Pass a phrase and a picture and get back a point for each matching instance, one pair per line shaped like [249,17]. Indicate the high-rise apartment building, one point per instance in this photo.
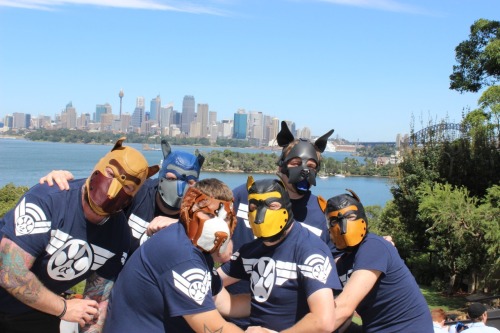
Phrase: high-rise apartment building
[240,124]
[188,113]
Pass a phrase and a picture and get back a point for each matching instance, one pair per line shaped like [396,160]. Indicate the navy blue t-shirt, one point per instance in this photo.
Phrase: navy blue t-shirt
[395,303]
[50,225]
[141,212]
[306,210]
[283,276]
[165,279]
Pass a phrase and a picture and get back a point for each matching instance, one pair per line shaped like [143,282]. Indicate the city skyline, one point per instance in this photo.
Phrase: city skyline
[366,69]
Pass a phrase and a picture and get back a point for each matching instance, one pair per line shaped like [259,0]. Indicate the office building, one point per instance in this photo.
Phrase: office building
[188,113]
[240,124]
[101,109]
[202,119]
[154,110]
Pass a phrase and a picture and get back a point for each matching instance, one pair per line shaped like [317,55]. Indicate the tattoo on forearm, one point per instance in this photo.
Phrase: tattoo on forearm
[98,288]
[207,330]
[15,276]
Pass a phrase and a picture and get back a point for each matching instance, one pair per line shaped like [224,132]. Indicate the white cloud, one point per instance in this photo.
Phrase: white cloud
[386,5]
[180,6]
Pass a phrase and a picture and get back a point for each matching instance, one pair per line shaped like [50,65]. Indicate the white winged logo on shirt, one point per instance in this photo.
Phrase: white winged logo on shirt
[30,219]
[194,283]
[266,272]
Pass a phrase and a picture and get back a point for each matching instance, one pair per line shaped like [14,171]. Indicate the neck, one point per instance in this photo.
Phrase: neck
[292,192]
[161,206]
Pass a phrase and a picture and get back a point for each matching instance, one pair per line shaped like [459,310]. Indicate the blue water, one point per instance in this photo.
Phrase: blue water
[23,162]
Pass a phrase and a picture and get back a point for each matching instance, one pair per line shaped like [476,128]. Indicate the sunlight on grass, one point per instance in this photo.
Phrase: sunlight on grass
[436,299]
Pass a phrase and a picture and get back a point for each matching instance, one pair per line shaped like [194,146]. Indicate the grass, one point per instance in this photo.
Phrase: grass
[436,299]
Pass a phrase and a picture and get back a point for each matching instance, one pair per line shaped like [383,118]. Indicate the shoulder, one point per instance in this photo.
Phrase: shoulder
[373,240]
[172,239]
[240,191]
[150,186]
[53,196]
[306,239]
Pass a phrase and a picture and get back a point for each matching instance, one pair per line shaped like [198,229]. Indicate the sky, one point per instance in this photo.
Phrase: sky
[369,69]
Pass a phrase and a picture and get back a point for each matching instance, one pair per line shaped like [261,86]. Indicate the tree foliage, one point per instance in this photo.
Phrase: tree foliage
[478,58]
[445,213]
[9,196]
[456,230]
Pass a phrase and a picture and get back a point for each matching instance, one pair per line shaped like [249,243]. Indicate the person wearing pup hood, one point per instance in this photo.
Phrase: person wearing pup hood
[174,285]
[157,203]
[53,239]
[161,198]
[298,166]
[376,282]
[290,270]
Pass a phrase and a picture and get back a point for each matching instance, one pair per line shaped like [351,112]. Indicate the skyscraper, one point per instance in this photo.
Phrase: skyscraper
[188,113]
[240,124]
[202,118]
[101,109]
[154,110]
[139,113]
[256,127]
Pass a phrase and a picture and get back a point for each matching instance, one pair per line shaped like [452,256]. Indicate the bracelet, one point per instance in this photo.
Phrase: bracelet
[63,311]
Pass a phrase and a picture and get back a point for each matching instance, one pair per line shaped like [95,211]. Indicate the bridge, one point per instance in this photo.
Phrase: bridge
[439,132]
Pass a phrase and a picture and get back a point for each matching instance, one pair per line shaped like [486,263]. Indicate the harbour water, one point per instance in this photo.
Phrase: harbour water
[23,162]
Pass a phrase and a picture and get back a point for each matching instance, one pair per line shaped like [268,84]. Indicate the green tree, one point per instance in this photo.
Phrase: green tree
[455,230]
[9,196]
[478,58]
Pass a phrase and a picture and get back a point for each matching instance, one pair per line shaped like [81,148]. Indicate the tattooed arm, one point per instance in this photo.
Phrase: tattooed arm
[21,283]
[98,289]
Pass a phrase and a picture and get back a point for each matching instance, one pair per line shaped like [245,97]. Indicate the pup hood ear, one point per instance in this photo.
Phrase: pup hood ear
[165,148]
[152,170]
[321,142]
[284,136]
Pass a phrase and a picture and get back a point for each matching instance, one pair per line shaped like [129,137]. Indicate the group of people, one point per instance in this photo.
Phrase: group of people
[291,260]
[474,322]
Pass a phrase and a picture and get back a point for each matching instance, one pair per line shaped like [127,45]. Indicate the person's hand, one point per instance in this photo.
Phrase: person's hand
[226,256]
[60,177]
[97,323]
[259,329]
[81,311]
[159,223]
[389,239]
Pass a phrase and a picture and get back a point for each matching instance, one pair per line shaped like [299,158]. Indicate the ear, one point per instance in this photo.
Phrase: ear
[321,142]
[250,182]
[201,159]
[153,170]
[165,148]
[322,203]
[354,195]
[119,143]
[284,137]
